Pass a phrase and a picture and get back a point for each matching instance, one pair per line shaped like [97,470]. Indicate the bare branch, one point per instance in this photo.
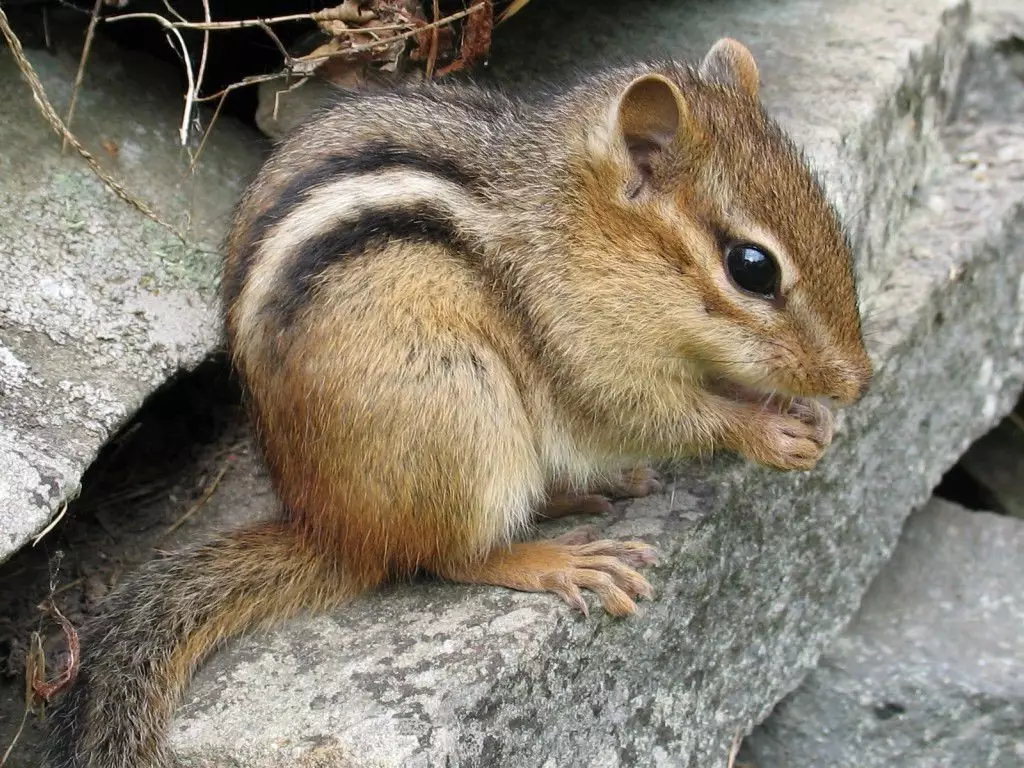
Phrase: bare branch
[48,112]
[89,34]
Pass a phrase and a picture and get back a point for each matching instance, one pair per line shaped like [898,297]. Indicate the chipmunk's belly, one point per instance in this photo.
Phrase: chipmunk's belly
[566,462]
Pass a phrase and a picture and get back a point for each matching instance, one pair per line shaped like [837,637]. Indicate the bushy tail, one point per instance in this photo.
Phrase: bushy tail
[139,653]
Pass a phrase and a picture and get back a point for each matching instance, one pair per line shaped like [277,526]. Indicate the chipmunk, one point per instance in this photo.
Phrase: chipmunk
[452,310]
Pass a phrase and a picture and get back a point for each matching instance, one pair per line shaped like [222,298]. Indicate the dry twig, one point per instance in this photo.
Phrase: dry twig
[174,28]
[328,14]
[206,135]
[245,81]
[434,39]
[348,24]
[320,16]
[206,50]
[58,126]
[303,65]
[53,524]
[289,89]
[17,735]
[511,10]
[207,493]
[37,689]
[21,727]
[734,751]
[1017,420]
[384,41]
[89,35]
[172,10]
[70,585]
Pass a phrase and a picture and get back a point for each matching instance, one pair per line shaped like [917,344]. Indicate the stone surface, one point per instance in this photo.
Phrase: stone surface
[98,305]
[996,462]
[930,673]
[761,570]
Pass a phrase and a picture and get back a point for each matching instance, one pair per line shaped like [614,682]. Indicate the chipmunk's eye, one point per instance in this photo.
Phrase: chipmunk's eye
[753,270]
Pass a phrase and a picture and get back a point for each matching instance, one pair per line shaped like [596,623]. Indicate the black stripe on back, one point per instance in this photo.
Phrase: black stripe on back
[420,223]
[375,156]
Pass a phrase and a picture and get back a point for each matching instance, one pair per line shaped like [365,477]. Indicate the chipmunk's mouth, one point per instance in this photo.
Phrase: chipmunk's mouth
[744,393]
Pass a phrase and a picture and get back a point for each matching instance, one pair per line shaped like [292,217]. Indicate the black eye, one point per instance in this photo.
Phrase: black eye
[753,270]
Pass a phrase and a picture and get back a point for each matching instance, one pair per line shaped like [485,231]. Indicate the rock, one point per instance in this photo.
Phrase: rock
[996,462]
[761,570]
[98,305]
[930,673]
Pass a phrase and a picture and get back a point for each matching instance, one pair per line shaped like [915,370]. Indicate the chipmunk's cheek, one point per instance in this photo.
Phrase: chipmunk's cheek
[732,390]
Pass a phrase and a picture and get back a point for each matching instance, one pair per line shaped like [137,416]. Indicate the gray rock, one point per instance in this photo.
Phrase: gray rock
[761,570]
[930,673]
[98,305]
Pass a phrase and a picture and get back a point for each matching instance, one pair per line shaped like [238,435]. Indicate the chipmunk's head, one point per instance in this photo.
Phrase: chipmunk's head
[731,256]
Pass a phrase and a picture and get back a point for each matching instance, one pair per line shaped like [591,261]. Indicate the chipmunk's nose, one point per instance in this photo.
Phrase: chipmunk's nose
[850,381]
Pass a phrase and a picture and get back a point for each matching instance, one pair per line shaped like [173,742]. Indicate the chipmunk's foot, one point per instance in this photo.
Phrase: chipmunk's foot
[605,567]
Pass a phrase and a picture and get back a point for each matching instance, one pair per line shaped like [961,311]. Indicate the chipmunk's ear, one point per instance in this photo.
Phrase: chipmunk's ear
[650,118]
[729,63]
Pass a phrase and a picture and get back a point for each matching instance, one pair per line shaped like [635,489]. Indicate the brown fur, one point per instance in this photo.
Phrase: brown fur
[551,306]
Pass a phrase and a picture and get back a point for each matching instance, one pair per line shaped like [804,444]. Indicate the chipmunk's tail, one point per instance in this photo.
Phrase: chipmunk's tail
[139,653]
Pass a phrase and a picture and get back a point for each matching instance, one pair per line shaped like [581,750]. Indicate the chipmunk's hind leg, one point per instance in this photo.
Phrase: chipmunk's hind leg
[565,567]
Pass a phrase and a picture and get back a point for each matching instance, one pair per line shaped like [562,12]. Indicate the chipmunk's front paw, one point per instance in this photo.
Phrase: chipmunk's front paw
[795,437]
[816,416]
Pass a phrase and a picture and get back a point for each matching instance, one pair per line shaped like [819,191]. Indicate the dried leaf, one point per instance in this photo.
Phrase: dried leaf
[36,662]
[424,41]
[350,12]
[476,38]
[308,64]
[347,72]
[363,44]
[334,28]
[406,10]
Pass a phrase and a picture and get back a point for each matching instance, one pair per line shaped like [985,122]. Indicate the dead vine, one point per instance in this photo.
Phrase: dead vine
[59,127]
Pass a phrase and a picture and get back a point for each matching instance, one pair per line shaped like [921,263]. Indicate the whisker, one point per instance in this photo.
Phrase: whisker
[780,345]
[756,361]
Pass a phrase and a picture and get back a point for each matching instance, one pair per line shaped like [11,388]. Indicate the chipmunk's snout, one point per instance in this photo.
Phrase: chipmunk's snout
[848,381]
